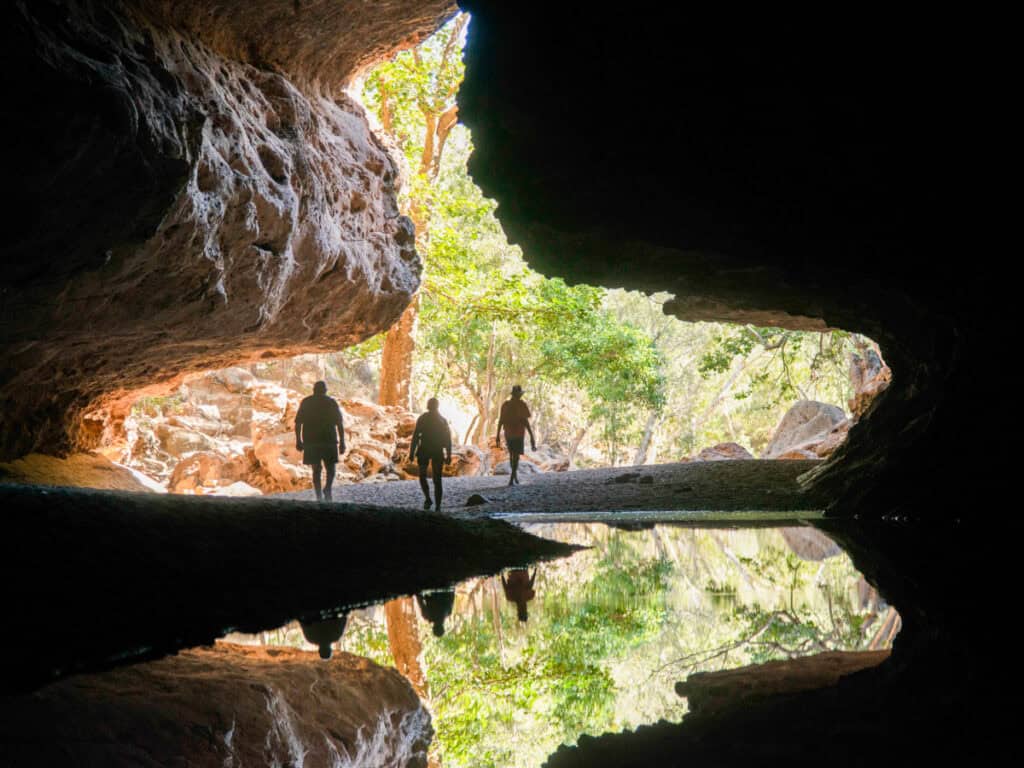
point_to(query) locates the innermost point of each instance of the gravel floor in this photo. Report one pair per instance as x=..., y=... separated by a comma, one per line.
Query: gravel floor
x=707, y=486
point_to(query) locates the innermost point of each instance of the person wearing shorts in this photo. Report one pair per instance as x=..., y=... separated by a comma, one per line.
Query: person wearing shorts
x=431, y=445
x=320, y=435
x=515, y=418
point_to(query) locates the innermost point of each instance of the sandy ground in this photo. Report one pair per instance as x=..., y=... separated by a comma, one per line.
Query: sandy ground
x=701, y=486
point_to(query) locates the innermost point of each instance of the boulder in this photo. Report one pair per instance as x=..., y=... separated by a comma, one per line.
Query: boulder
x=237, y=489
x=799, y=454
x=834, y=439
x=194, y=471
x=548, y=459
x=722, y=452
x=810, y=544
x=525, y=468
x=806, y=424
x=235, y=380
x=369, y=457
x=280, y=466
x=178, y=441
x=870, y=377
x=224, y=705
x=467, y=461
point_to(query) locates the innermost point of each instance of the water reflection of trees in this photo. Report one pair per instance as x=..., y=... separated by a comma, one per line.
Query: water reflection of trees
x=611, y=630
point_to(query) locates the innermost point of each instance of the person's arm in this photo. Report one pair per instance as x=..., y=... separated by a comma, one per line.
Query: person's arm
x=341, y=430
x=415, y=439
x=501, y=423
x=298, y=429
x=532, y=577
x=533, y=443
x=448, y=446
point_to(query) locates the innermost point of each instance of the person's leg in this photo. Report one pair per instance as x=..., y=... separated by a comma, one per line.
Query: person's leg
x=329, y=479
x=317, y=478
x=513, y=459
x=438, y=465
x=423, y=461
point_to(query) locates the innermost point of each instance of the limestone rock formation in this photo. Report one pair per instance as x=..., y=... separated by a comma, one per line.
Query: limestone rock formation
x=196, y=190
x=803, y=427
x=223, y=705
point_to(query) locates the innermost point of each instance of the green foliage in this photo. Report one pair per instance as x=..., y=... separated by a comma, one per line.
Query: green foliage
x=560, y=679
x=486, y=320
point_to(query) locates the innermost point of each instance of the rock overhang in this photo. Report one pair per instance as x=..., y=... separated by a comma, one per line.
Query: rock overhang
x=197, y=190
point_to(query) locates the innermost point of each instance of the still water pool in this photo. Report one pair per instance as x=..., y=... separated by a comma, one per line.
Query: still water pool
x=513, y=665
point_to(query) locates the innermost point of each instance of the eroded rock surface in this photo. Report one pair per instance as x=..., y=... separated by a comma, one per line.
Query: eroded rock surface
x=190, y=197
x=223, y=705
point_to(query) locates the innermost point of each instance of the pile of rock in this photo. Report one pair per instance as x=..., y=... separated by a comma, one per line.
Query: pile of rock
x=229, y=432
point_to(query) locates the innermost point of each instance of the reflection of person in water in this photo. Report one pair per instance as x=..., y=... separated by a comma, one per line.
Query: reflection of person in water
x=435, y=607
x=519, y=589
x=324, y=634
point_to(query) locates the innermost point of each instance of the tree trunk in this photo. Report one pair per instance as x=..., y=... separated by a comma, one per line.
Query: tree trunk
x=396, y=360
x=645, y=443
x=484, y=404
x=577, y=439
x=404, y=639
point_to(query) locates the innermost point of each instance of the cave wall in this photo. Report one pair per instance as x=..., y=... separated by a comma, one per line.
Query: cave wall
x=195, y=188
x=790, y=174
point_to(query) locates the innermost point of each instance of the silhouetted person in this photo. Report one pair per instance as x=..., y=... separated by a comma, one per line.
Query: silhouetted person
x=320, y=434
x=324, y=634
x=519, y=589
x=435, y=607
x=431, y=444
x=515, y=418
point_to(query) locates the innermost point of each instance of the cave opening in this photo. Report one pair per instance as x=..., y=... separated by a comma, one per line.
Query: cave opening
x=613, y=377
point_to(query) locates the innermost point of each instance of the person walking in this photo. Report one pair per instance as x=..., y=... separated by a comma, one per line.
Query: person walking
x=515, y=418
x=320, y=435
x=431, y=444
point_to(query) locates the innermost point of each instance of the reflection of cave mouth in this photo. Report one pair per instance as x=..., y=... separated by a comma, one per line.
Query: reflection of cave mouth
x=640, y=626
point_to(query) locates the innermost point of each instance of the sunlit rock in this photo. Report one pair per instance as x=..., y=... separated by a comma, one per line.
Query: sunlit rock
x=84, y=470
x=721, y=452
x=804, y=426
